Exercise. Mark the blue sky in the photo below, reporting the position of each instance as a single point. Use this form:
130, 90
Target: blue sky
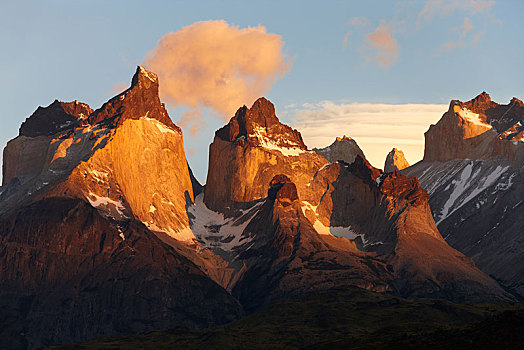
442, 50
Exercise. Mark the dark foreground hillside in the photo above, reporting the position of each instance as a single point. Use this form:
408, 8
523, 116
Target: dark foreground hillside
347, 319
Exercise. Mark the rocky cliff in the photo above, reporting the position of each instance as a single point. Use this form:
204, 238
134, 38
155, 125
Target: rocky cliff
126, 158
389, 214
249, 151
384, 214
104, 230
477, 205
69, 273
472, 170
94, 227
477, 129
395, 160
287, 257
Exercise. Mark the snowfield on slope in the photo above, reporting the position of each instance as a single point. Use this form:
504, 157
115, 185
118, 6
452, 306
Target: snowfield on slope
214, 231
337, 231
462, 181
265, 142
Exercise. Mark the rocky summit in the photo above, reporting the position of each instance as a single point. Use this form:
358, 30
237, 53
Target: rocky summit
249, 151
105, 231
472, 170
343, 148
477, 129
395, 160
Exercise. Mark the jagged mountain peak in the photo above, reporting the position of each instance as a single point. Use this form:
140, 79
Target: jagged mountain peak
399, 185
56, 117
143, 76
477, 129
479, 104
249, 151
516, 101
141, 100
263, 112
364, 170
115, 159
395, 160
122, 184
259, 126
481, 98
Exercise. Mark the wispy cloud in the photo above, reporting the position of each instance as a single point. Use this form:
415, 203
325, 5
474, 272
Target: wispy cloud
359, 22
378, 45
447, 7
377, 128
477, 36
384, 44
346, 38
468, 8
462, 31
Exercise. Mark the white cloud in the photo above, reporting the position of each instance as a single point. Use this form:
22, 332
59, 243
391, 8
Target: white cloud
377, 128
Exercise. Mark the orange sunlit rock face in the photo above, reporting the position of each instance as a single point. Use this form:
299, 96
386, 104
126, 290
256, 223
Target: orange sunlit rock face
477, 129
395, 160
126, 159
252, 148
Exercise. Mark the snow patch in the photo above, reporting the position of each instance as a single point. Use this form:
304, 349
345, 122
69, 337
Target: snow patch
105, 203
467, 180
504, 186
161, 127
379, 179
472, 117
185, 234
337, 231
213, 230
99, 176
265, 142
149, 75
121, 234
306, 205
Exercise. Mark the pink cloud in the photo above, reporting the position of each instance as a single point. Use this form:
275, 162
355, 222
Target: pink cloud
213, 64
384, 44
463, 30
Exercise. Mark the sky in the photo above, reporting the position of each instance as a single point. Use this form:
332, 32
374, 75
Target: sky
378, 71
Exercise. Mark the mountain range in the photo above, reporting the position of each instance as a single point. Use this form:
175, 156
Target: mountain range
104, 230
